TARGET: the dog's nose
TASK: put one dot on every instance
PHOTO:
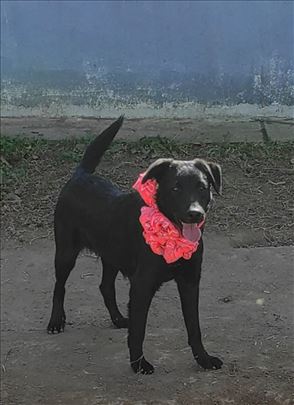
(195, 216)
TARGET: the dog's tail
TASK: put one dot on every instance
(99, 145)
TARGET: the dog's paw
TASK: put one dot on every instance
(120, 322)
(142, 366)
(209, 362)
(56, 324)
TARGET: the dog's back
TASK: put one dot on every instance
(89, 209)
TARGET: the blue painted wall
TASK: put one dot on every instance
(212, 52)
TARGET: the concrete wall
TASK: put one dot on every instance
(147, 58)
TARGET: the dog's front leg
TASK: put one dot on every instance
(189, 294)
(141, 294)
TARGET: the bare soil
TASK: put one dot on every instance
(246, 316)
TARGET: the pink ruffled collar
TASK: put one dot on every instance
(163, 237)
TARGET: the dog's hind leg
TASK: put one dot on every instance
(107, 288)
(66, 254)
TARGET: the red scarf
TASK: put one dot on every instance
(163, 237)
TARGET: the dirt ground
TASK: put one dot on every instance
(205, 129)
(246, 293)
(246, 315)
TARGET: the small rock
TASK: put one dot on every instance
(226, 299)
(260, 301)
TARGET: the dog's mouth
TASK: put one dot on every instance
(191, 232)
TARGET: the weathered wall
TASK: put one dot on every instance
(148, 58)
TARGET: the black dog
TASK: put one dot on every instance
(92, 213)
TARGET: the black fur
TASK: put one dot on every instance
(92, 213)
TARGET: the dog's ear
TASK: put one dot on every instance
(216, 172)
(156, 169)
(213, 171)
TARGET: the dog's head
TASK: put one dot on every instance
(184, 188)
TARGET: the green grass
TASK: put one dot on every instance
(17, 152)
(14, 149)
(14, 153)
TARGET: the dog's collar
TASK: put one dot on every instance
(163, 237)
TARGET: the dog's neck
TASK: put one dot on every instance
(160, 233)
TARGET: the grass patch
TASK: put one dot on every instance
(14, 149)
(34, 171)
(16, 153)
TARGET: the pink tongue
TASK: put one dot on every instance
(191, 232)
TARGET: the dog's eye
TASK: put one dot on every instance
(176, 188)
(202, 189)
